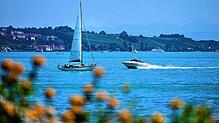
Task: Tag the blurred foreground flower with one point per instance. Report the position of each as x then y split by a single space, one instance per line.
176 103
35 112
7 64
125 116
77 100
98 72
77 109
50 92
38 60
26 85
9 108
101 96
68 117
88 88
39 109
157 118
113 102
17 69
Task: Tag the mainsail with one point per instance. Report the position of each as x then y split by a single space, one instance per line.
76 50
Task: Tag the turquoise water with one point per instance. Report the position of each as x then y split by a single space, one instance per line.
191 76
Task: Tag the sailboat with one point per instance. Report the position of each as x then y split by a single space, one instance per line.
6 49
134 50
76 54
41 50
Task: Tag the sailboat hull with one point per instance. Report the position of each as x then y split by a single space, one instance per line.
67 67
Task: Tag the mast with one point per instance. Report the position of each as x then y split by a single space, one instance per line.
81 31
83 26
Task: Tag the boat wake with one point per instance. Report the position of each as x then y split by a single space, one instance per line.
174 67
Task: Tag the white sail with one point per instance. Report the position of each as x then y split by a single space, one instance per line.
75 55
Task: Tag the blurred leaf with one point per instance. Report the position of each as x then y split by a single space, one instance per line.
139 120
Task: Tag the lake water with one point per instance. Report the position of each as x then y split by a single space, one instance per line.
191 76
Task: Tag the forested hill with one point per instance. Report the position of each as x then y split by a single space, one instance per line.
60 38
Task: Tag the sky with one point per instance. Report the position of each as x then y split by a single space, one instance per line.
147 17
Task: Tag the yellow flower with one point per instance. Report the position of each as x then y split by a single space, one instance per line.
77 100
113 102
7 64
88 88
38 60
98 72
39 110
125 116
26 85
17 69
157 118
9 108
50 92
68 116
76 109
31 114
176 103
35 112
101 96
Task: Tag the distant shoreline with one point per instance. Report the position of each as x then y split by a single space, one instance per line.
60 38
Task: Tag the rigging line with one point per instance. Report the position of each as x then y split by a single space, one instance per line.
88 42
81 30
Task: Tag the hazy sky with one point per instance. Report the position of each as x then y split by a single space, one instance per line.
108 13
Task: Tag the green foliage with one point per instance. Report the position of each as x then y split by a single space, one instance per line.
190 114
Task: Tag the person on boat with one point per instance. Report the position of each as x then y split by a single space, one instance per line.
66 66
135 59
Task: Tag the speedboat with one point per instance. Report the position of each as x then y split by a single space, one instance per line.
135 64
